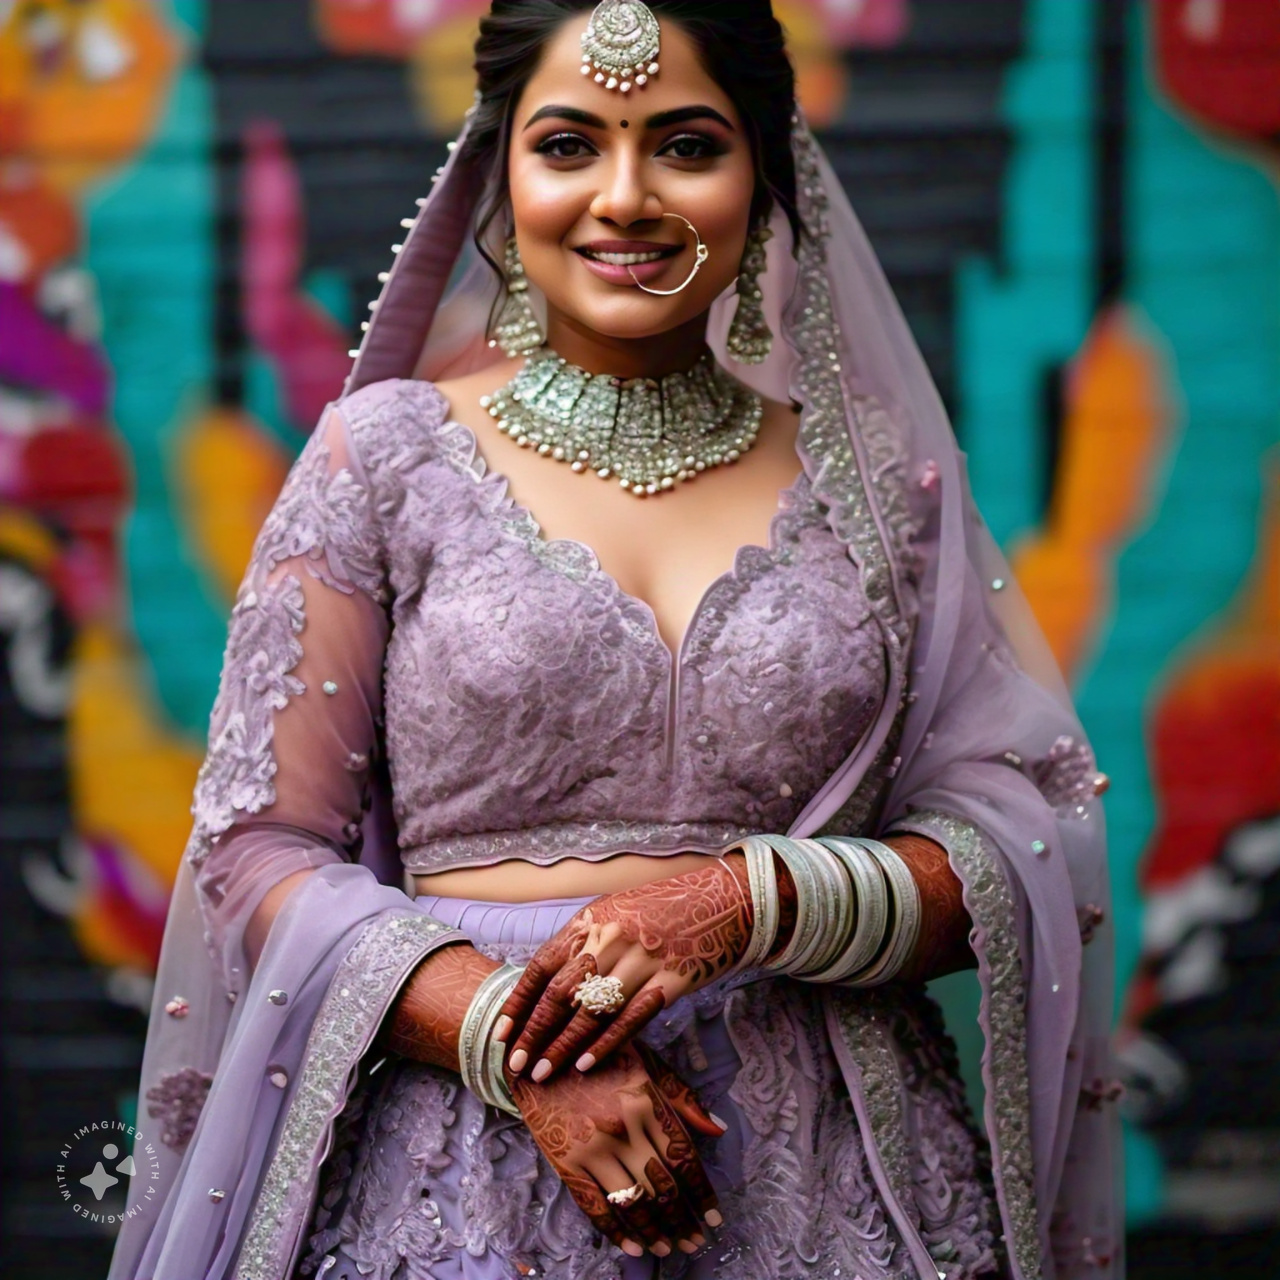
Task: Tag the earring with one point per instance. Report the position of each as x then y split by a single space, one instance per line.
750 338
517 330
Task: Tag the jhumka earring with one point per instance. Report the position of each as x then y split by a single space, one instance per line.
750 338
517 331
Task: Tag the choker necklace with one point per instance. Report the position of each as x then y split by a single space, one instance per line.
649 434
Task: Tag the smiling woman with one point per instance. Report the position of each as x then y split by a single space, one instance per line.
698 782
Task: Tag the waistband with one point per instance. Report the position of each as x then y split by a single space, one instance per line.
503 924
592 841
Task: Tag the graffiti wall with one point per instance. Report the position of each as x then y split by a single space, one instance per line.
1076 202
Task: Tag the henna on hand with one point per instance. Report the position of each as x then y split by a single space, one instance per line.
663 940
426 1019
945 924
610 1119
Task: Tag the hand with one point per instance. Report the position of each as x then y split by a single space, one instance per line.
625 1126
661 941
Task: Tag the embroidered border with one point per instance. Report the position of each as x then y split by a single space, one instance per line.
363 986
824 425
864 1028
990 903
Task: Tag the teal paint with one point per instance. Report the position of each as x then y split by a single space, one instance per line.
1204 271
149 244
1021 317
1204 275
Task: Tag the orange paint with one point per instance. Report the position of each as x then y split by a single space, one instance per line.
1116 426
81 84
228 473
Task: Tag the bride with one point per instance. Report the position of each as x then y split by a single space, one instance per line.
624 714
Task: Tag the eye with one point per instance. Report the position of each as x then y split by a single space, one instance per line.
566 146
691 146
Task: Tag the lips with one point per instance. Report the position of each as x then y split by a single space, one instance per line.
627 262
627 253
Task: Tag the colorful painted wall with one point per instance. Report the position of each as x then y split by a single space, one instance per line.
1076 202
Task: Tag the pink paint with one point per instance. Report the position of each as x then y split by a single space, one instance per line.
304 343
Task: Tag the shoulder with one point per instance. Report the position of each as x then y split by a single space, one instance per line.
393 400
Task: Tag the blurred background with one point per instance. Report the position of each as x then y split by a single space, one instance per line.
1076 201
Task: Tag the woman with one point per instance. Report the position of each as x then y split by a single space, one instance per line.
719 1060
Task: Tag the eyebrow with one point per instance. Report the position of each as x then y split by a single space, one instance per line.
664 119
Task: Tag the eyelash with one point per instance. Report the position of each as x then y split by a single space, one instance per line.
708 147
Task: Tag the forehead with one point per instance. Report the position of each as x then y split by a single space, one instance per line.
682 80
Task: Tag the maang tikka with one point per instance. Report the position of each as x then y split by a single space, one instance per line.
517 330
750 338
621 45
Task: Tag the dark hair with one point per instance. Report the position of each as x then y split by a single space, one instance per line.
741 44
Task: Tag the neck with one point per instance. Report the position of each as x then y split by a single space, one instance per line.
675 351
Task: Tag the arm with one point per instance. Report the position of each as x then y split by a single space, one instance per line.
669 938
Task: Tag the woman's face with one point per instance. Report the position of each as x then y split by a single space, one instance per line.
593 171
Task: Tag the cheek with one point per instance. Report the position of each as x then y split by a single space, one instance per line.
544 205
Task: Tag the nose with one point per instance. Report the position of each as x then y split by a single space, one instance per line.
626 197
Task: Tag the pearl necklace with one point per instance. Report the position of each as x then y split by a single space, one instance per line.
649 434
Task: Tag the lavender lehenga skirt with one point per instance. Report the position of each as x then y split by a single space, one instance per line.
425 1183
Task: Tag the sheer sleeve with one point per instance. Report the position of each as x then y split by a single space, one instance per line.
294 736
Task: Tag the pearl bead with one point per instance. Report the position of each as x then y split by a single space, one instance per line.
278 997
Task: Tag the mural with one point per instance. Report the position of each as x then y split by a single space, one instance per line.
1075 202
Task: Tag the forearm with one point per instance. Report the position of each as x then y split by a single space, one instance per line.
426 1020
943 945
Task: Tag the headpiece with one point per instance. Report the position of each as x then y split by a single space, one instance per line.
620 44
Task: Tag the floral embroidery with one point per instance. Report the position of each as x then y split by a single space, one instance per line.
176 1100
320 521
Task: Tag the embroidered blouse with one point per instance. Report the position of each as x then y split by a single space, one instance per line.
531 707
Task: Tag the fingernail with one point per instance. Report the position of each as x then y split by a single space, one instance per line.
632 1249
541 1071
519 1060
687 1246
698 1239
715 1119
662 1249
713 1218
503 1028
586 1062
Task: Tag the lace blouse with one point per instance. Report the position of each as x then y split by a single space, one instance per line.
400 602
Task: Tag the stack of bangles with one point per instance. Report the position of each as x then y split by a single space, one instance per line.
857 909
857 923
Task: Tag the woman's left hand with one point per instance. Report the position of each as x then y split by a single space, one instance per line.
660 941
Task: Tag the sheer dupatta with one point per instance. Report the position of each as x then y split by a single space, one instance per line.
975 745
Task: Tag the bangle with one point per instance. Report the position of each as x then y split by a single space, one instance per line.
824 906
872 897
479 1055
905 896
762 879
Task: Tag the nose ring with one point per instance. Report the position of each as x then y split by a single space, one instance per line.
701 254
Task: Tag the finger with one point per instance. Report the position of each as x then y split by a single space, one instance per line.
581 1030
680 1095
641 1009
593 1201
552 1011
618 1180
671 1211
528 991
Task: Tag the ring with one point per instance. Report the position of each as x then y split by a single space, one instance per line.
625 1198
598 994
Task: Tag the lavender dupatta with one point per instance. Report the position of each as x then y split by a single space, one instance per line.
975 745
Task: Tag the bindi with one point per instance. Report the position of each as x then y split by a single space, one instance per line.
626 124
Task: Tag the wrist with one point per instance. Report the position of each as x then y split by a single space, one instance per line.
425 1022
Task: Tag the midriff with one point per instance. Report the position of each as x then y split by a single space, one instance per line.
518 881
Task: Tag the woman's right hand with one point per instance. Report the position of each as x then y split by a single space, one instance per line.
625 1125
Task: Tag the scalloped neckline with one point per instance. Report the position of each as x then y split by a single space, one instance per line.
484 473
